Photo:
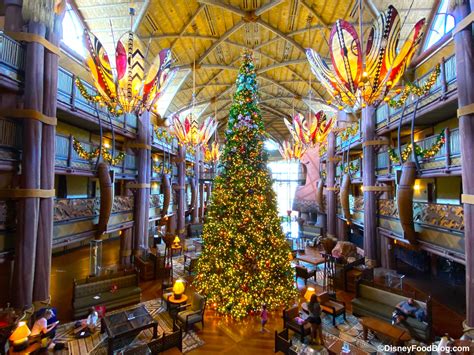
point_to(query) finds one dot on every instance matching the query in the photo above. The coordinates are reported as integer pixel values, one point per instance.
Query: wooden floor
(221, 335)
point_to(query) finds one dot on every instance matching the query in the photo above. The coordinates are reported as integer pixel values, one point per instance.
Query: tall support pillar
(330, 186)
(197, 166)
(368, 180)
(28, 208)
(126, 247)
(46, 216)
(464, 50)
(142, 197)
(13, 18)
(181, 163)
(202, 185)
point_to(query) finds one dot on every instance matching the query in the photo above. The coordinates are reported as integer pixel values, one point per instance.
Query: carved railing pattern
(444, 216)
(122, 204)
(10, 133)
(156, 200)
(439, 215)
(72, 208)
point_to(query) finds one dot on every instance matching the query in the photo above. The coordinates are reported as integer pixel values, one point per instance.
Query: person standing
(314, 318)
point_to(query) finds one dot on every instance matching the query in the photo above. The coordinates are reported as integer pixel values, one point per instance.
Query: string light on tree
(245, 260)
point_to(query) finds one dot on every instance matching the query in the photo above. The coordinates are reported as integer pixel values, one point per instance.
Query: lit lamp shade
(19, 337)
(178, 288)
(309, 292)
(176, 241)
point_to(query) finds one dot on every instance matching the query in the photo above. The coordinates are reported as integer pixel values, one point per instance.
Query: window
(285, 177)
(73, 32)
(442, 24)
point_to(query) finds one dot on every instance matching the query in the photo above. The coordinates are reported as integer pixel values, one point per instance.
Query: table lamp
(178, 288)
(19, 337)
(309, 292)
(176, 242)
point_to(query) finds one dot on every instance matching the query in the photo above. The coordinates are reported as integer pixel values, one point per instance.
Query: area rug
(350, 331)
(97, 343)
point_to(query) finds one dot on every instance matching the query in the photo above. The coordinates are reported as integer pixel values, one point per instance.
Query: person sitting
(87, 326)
(41, 328)
(314, 318)
(407, 308)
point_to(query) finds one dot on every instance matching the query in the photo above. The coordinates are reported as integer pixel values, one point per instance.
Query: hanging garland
(162, 134)
(323, 174)
(106, 154)
(97, 99)
(190, 171)
(352, 167)
(322, 150)
(419, 151)
(350, 132)
(412, 88)
(161, 169)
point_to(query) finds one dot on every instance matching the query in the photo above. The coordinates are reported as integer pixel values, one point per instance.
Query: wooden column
(464, 50)
(142, 196)
(28, 208)
(13, 18)
(330, 189)
(126, 247)
(181, 163)
(46, 216)
(369, 179)
(197, 158)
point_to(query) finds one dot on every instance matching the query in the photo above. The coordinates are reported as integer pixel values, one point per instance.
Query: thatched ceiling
(213, 33)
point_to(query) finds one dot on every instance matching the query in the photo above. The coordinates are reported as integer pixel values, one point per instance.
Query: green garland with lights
(349, 132)
(351, 167)
(412, 88)
(162, 134)
(161, 168)
(419, 151)
(245, 260)
(106, 153)
(323, 149)
(113, 109)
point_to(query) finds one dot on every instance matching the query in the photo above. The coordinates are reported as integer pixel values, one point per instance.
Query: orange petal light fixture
(212, 153)
(190, 133)
(292, 151)
(354, 82)
(132, 87)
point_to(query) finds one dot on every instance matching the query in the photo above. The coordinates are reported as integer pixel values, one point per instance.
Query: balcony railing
(12, 58)
(445, 84)
(447, 157)
(67, 157)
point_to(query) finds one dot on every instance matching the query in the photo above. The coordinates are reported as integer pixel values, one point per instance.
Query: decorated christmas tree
(245, 260)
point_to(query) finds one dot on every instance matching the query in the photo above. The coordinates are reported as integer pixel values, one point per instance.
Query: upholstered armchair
(190, 265)
(193, 313)
(331, 306)
(293, 321)
(304, 273)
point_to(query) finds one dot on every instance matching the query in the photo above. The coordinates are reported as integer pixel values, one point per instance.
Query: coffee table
(122, 327)
(396, 334)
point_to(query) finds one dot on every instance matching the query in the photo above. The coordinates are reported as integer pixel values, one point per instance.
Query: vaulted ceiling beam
(224, 6)
(314, 13)
(282, 64)
(184, 35)
(280, 34)
(267, 7)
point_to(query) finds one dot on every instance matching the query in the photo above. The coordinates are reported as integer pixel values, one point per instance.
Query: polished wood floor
(220, 334)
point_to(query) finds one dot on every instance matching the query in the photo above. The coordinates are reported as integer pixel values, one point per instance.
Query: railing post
(69, 151)
(73, 93)
(444, 83)
(447, 136)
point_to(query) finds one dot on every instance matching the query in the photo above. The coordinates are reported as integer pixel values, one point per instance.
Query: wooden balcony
(447, 161)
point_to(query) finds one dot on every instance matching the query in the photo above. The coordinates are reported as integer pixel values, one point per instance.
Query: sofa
(98, 291)
(371, 301)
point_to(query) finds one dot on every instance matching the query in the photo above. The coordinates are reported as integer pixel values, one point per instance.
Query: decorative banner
(345, 80)
(134, 89)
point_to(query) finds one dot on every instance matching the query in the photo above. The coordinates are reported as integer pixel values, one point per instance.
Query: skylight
(442, 24)
(270, 145)
(72, 32)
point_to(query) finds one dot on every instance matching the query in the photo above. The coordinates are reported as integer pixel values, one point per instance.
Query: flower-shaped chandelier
(306, 134)
(353, 83)
(292, 150)
(129, 88)
(212, 153)
(190, 133)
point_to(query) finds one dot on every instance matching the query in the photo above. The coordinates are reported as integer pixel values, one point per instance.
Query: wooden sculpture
(106, 198)
(405, 201)
(344, 196)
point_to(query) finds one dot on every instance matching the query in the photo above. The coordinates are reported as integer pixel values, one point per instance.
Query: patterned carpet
(97, 345)
(350, 331)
